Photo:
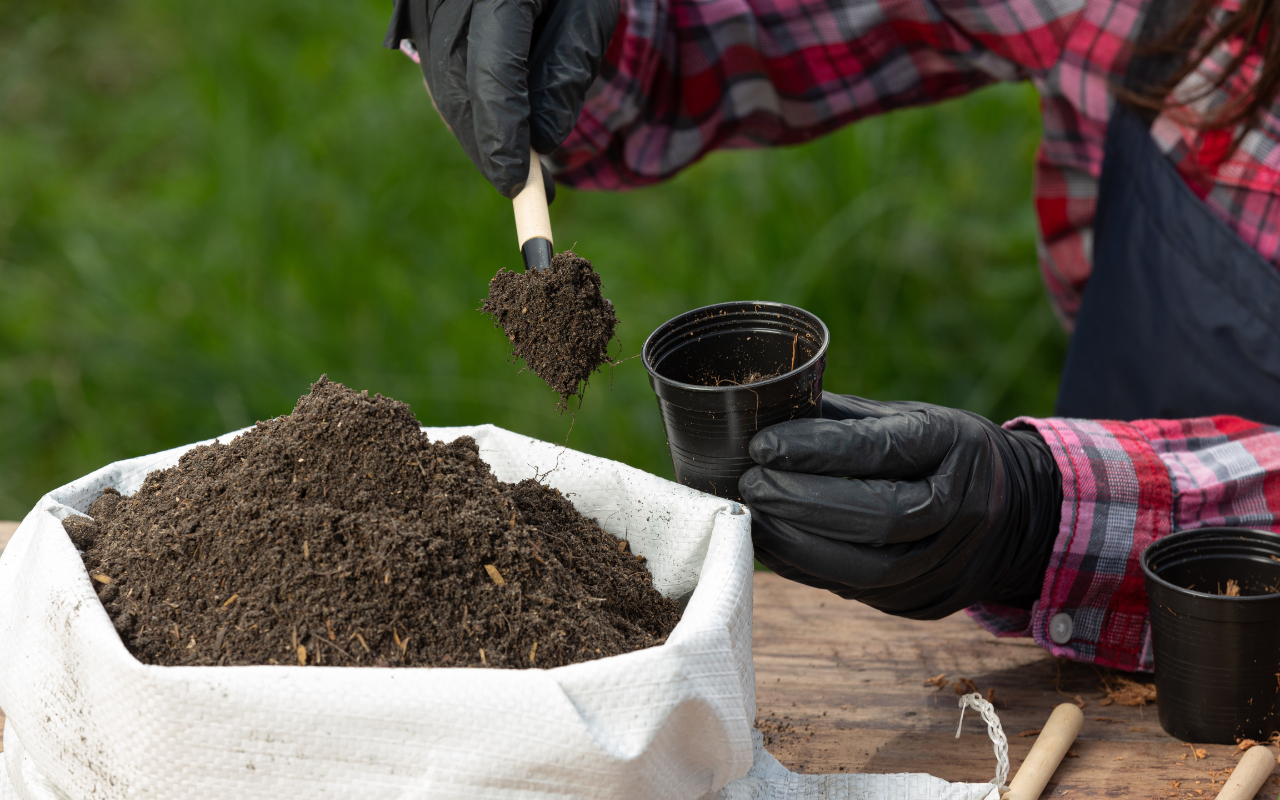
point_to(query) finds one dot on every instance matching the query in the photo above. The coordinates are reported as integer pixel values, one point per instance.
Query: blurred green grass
(204, 207)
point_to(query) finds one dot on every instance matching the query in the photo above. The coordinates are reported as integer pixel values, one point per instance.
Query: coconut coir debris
(1127, 692)
(341, 535)
(556, 320)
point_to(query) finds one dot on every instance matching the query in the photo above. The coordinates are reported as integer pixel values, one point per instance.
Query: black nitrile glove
(915, 509)
(507, 73)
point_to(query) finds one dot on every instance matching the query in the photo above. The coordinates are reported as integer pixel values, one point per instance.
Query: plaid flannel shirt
(1125, 485)
(684, 77)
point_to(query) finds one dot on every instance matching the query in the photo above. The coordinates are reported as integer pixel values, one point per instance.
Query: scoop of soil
(341, 535)
(556, 319)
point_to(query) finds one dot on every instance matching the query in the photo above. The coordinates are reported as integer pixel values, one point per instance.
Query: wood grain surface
(6, 531)
(840, 688)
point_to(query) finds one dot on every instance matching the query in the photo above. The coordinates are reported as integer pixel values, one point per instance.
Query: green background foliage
(203, 207)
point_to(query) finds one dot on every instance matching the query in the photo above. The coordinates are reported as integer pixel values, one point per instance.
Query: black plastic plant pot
(722, 373)
(1217, 657)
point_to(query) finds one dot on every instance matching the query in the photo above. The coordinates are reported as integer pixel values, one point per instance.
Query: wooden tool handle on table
(1247, 778)
(533, 220)
(1056, 738)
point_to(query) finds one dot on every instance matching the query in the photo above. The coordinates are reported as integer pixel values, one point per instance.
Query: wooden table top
(840, 688)
(6, 531)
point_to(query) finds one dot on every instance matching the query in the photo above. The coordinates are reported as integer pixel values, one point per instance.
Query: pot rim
(1180, 536)
(698, 387)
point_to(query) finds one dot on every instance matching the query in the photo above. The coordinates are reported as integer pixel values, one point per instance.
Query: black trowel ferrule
(537, 253)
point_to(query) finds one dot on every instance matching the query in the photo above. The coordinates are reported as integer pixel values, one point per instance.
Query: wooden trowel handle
(1249, 775)
(1053, 743)
(533, 220)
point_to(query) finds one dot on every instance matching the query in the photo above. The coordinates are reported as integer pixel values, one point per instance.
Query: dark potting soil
(341, 535)
(556, 320)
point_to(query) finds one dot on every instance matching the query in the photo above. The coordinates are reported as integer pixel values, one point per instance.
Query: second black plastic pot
(1217, 658)
(702, 365)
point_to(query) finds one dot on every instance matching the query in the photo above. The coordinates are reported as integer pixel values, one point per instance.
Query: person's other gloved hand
(915, 509)
(505, 74)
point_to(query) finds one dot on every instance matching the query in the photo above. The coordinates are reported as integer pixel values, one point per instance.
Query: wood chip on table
(940, 681)
(965, 686)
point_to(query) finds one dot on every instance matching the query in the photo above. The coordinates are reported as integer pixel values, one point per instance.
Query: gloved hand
(915, 509)
(507, 73)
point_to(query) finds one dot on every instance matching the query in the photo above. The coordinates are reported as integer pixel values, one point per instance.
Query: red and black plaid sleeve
(683, 77)
(1124, 486)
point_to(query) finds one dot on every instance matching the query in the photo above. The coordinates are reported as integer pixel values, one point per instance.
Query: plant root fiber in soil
(744, 380)
(556, 320)
(341, 535)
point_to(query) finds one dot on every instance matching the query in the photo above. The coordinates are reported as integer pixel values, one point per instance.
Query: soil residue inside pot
(743, 380)
(1236, 589)
(556, 319)
(341, 535)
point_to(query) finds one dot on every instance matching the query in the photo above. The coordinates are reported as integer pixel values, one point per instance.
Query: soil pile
(341, 535)
(556, 319)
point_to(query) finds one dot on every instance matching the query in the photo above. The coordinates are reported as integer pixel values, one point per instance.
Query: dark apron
(1180, 318)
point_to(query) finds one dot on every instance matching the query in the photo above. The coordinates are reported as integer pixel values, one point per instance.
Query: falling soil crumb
(556, 320)
(341, 535)
(1126, 692)
(1232, 590)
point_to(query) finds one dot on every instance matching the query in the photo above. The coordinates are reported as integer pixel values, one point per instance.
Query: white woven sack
(84, 719)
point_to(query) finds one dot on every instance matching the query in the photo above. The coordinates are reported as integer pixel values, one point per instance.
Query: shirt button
(1060, 628)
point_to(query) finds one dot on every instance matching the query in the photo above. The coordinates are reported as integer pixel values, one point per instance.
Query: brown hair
(1252, 25)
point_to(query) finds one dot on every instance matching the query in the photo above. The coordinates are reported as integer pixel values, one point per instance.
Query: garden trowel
(533, 220)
